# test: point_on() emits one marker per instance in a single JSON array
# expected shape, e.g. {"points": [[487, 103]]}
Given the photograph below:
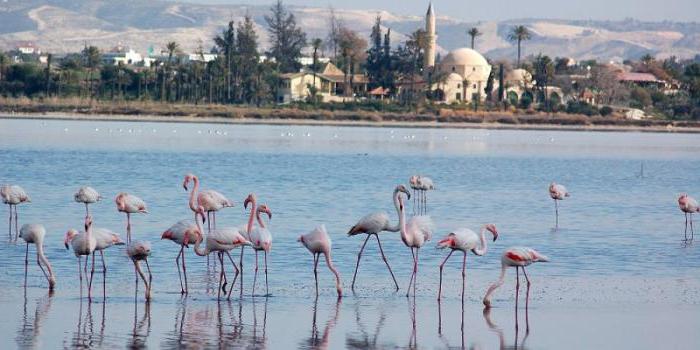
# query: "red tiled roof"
{"points": [[638, 77]]}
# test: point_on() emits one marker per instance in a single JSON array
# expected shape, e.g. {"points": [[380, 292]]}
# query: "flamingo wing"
{"points": [[421, 225], [212, 200], [372, 223], [87, 194]]}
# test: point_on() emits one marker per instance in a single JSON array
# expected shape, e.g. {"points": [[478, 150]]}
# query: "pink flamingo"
{"points": [[261, 240], [34, 234], [517, 257], [83, 245], [104, 239], [558, 193], [318, 242], [183, 233], [87, 195], [414, 234], [247, 229], [222, 241], [130, 204], [372, 225], [688, 205], [13, 195], [465, 240], [140, 251], [212, 201]]}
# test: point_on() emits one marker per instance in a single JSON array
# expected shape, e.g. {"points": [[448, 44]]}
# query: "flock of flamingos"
{"points": [[415, 232]]}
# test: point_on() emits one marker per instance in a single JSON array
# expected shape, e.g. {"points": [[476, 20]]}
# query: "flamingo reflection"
{"points": [[365, 341], [30, 328], [142, 327], [320, 341], [499, 331]]}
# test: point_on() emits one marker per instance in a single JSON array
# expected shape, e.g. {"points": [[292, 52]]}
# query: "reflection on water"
{"points": [[499, 331], [319, 340], [30, 328], [461, 326], [365, 340], [142, 327]]}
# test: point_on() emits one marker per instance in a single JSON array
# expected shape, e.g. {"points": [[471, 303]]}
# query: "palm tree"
{"points": [[92, 58], [473, 33], [519, 34], [172, 48]]}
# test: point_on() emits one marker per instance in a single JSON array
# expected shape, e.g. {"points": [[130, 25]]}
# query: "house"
{"points": [[330, 83], [122, 56], [641, 79], [27, 48]]}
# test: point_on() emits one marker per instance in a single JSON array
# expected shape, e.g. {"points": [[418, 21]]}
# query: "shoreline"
{"points": [[343, 123]]}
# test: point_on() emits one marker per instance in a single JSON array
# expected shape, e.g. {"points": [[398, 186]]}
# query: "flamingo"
{"points": [[212, 201], [318, 242], [140, 251], [12, 195], [222, 241], [557, 192], [87, 195], [688, 205], [261, 240], [35, 233], [247, 229], [465, 240], [414, 234], [372, 225], [104, 238], [517, 257], [183, 233], [83, 245], [425, 184], [130, 204], [413, 181]]}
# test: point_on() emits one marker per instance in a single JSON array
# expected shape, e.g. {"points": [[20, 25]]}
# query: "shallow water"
{"points": [[620, 275]]}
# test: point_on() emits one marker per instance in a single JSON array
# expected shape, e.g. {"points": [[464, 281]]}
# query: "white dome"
{"points": [[519, 75], [465, 57]]}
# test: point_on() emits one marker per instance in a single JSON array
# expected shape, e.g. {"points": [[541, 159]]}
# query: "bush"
{"points": [[581, 107], [606, 111]]}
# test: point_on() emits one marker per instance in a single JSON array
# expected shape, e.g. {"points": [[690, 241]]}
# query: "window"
{"points": [[474, 86], [458, 96], [459, 86], [453, 68]]}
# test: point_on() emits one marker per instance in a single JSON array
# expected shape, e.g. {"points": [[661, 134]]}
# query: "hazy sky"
{"points": [[475, 10]]}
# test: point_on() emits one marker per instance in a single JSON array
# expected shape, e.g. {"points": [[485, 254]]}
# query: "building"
{"points": [[641, 79], [122, 56], [27, 48], [460, 76], [330, 83]]}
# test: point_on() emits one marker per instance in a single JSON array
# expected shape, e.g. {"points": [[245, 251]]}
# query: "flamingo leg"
{"points": [[415, 274], [386, 261], [221, 274], [104, 275], [234, 277], [412, 273], [128, 228], [240, 264], [692, 232], [80, 275], [179, 273], [87, 211], [92, 274], [184, 268], [527, 294], [16, 224], [556, 211], [316, 257], [26, 265], [441, 267], [266, 289], [517, 285], [357, 266], [150, 279], [255, 275], [464, 274], [9, 222], [685, 233]]}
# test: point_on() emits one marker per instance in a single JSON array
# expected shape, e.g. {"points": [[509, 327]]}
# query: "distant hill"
{"points": [[66, 25]]}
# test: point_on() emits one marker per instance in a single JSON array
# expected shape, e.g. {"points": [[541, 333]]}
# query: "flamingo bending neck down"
{"points": [[222, 241], [558, 193], [140, 251], [130, 204], [261, 240], [465, 240], [35, 233], [414, 234], [318, 242], [87, 195], [372, 225], [83, 245], [688, 205], [183, 233], [518, 257], [13, 195]]}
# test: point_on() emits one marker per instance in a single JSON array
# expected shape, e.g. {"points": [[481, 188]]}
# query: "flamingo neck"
{"points": [[199, 250], [495, 285], [481, 250], [335, 272], [260, 221], [193, 194], [40, 256], [396, 227], [402, 218], [252, 215]]}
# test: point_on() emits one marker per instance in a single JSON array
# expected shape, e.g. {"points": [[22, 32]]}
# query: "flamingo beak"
{"points": [[66, 244], [495, 236]]}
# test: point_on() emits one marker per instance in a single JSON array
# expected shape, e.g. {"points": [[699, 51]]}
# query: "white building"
{"points": [[128, 57]]}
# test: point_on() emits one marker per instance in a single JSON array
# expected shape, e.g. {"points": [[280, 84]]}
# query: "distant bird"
{"points": [[183, 233], [261, 240], [414, 234], [140, 251], [83, 245], [104, 238], [558, 193], [372, 225], [87, 195], [517, 257], [421, 184], [35, 233], [222, 241], [12, 195], [465, 240], [688, 205], [212, 201], [318, 242], [130, 204]]}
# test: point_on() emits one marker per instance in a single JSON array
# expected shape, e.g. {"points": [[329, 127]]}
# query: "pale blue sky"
{"points": [[475, 10]]}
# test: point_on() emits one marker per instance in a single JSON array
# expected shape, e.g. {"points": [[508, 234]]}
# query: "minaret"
{"points": [[431, 37]]}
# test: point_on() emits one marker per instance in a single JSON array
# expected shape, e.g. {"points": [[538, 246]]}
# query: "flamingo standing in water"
{"points": [[247, 229], [140, 251], [517, 257], [261, 240], [104, 238], [688, 205], [183, 233], [558, 193], [87, 195], [222, 241], [465, 240], [318, 242], [212, 201], [12, 195], [130, 204], [83, 245], [414, 234], [35, 233], [372, 225]]}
